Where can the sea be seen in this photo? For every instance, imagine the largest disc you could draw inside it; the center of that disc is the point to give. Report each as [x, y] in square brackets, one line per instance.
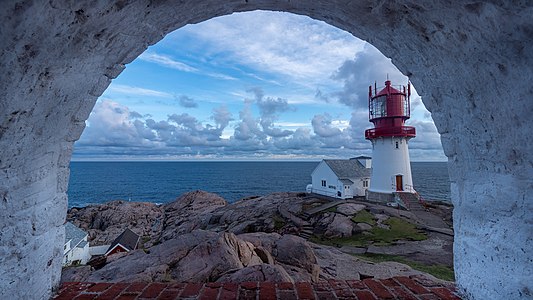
[161, 182]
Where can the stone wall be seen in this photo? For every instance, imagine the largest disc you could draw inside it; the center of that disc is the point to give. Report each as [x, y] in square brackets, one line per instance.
[471, 62]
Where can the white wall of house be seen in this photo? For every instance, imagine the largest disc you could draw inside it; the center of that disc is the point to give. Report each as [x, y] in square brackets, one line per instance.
[366, 162]
[359, 186]
[323, 172]
[347, 190]
[74, 253]
[81, 253]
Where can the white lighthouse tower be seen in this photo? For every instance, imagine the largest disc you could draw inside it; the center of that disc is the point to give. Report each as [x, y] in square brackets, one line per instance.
[391, 168]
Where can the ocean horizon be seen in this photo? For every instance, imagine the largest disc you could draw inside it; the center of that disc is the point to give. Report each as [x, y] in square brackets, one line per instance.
[95, 182]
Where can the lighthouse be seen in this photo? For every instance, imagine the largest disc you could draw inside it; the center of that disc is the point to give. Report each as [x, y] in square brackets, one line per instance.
[388, 110]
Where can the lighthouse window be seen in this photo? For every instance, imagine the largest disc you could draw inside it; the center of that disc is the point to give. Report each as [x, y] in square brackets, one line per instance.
[396, 145]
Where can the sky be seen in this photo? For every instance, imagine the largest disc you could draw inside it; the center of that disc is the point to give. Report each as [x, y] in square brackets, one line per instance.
[248, 86]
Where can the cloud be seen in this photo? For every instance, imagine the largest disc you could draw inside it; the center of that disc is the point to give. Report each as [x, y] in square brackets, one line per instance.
[273, 42]
[169, 62]
[269, 107]
[321, 96]
[359, 73]
[322, 126]
[135, 115]
[222, 116]
[166, 61]
[114, 130]
[248, 127]
[187, 102]
[132, 90]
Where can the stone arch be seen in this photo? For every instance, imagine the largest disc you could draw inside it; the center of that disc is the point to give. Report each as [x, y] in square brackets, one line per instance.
[465, 60]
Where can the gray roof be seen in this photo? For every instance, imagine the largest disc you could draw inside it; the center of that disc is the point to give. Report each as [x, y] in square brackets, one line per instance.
[127, 239]
[74, 234]
[82, 244]
[363, 157]
[346, 181]
[347, 168]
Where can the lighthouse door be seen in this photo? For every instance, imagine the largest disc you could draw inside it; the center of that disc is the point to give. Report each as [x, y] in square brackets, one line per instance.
[399, 182]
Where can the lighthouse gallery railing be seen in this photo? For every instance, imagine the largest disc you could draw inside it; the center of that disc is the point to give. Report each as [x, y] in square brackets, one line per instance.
[409, 131]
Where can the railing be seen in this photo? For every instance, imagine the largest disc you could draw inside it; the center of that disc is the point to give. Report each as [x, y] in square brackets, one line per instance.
[407, 131]
[402, 201]
[409, 188]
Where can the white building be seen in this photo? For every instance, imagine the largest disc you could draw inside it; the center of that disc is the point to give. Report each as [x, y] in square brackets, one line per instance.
[76, 248]
[341, 178]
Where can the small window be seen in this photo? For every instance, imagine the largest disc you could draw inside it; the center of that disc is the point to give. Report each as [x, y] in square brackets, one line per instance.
[323, 183]
[365, 183]
[397, 145]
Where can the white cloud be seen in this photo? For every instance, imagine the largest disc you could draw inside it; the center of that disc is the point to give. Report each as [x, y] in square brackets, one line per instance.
[169, 62]
[166, 61]
[279, 43]
[137, 91]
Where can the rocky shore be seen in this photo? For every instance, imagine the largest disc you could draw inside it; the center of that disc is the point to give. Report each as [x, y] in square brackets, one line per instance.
[282, 237]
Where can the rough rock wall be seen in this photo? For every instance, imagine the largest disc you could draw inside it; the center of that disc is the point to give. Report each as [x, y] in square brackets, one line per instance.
[471, 62]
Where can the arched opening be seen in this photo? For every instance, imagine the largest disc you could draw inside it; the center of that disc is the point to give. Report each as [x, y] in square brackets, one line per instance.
[58, 65]
[117, 122]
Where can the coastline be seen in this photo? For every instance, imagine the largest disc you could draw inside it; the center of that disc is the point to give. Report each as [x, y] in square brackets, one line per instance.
[263, 225]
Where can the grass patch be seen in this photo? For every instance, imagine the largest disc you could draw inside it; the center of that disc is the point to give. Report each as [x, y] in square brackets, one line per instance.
[399, 230]
[364, 216]
[279, 222]
[439, 271]
[331, 209]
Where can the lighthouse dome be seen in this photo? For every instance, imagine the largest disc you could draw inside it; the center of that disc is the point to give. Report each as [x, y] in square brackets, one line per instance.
[388, 89]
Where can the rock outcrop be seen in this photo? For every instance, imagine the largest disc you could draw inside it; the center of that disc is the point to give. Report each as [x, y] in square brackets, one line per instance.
[104, 222]
[199, 237]
[205, 256]
[189, 212]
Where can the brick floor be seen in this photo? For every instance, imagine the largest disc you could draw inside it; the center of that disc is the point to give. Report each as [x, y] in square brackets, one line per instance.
[391, 288]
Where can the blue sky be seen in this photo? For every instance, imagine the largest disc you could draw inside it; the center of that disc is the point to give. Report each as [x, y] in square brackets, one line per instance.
[255, 85]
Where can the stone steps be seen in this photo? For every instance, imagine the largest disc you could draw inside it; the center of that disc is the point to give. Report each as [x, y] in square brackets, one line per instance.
[307, 232]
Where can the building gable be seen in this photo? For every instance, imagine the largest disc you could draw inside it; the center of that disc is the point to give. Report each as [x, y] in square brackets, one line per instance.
[128, 240]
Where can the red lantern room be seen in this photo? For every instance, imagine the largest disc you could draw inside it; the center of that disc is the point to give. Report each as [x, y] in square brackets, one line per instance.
[388, 110]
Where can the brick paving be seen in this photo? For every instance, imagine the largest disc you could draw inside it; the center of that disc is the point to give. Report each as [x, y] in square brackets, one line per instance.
[372, 289]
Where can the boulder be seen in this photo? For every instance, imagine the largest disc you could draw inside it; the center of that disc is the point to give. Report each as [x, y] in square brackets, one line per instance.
[262, 272]
[340, 226]
[295, 251]
[188, 212]
[341, 266]
[199, 256]
[75, 274]
[264, 240]
[350, 209]
[195, 202]
[257, 214]
[363, 226]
